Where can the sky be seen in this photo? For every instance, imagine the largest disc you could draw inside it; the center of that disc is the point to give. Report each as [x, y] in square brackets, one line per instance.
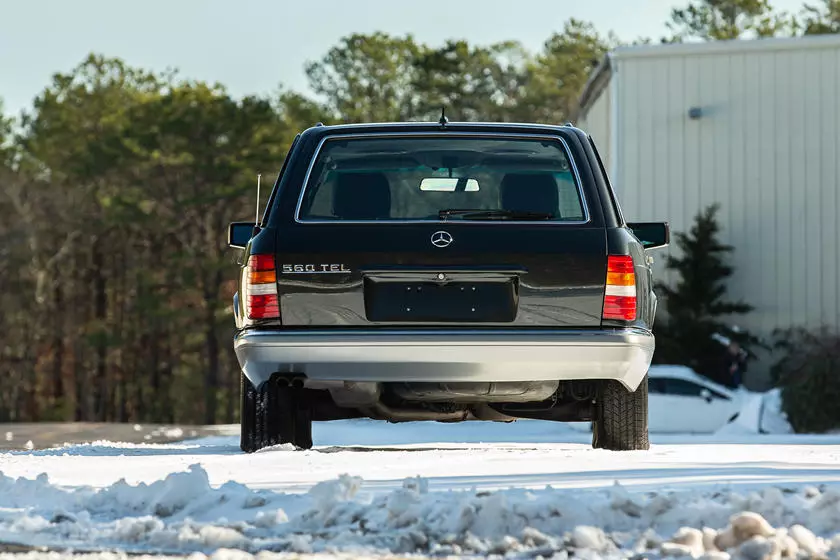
[254, 46]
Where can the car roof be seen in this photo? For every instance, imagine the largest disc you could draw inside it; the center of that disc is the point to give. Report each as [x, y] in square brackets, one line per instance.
[501, 127]
[686, 374]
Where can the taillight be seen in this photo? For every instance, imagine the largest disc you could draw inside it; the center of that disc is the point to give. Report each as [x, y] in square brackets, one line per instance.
[620, 294]
[261, 288]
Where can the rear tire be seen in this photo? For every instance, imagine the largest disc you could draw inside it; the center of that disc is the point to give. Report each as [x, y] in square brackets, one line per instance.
[273, 415]
[621, 418]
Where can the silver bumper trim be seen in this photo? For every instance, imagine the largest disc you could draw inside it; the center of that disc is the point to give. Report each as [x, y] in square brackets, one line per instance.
[447, 355]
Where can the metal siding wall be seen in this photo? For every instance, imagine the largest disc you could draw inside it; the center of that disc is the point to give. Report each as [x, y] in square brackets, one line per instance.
[675, 88]
[754, 124]
[766, 148]
[827, 136]
[627, 185]
[766, 218]
[596, 122]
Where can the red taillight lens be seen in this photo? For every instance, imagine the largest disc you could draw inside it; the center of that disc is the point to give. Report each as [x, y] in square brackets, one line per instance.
[263, 307]
[620, 293]
[620, 263]
[620, 307]
[261, 299]
[261, 262]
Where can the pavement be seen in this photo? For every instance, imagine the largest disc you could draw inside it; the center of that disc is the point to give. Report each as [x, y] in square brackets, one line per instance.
[43, 435]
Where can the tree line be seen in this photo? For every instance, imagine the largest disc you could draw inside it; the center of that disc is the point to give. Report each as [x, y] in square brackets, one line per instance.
[117, 185]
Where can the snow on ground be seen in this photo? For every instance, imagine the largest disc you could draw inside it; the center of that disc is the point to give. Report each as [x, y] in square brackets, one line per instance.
[523, 489]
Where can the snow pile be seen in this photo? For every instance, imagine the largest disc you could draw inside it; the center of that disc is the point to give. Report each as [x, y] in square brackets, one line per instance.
[221, 554]
[773, 418]
[760, 413]
[184, 513]
[749, 417]
[100, 448]
[168, 433]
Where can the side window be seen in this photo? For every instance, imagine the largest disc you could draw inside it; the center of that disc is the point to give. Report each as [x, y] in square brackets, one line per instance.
[277, 182]
[613, 198]
[683, 388]
[717, 395]
[656, 385]
[570, 205]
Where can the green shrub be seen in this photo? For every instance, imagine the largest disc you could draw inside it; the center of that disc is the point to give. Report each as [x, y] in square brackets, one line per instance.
[809, 375]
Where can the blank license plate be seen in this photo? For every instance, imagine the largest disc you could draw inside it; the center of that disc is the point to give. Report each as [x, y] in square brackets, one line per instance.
[391, 301]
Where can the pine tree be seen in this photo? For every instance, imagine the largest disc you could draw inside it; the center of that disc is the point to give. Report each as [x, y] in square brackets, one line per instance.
[697, 305]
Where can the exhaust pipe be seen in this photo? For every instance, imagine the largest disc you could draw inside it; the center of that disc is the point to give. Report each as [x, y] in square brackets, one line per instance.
[287, 381]
[384, 412]
[484, 412]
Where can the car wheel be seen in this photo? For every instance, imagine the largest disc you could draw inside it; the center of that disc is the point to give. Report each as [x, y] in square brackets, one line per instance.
[272, 415]
[621, 418]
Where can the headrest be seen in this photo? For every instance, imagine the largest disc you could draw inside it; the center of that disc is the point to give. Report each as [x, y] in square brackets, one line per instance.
[362, 196]
[530, 192]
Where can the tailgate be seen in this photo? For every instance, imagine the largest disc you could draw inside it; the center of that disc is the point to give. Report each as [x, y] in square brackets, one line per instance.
[489, 275]
[442, 228]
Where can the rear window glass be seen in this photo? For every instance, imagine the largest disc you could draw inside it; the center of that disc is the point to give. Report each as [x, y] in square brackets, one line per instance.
[432, 177]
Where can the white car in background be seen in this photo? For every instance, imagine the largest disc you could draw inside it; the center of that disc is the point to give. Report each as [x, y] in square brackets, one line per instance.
[682, 401]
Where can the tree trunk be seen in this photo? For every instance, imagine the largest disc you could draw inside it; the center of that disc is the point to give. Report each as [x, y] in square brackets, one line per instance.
[164, 397]
[233, 383]
[157, 383]
[211, 344]
[139, 405]
[100, 303]
[58, 345]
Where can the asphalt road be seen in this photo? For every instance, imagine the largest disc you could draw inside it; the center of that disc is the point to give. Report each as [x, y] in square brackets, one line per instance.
[50, 434]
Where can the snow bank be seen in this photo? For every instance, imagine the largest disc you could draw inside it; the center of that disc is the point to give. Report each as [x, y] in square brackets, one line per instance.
[749, 416]
[183, 513]
[99, 448]
[760, 413]
[773, 419]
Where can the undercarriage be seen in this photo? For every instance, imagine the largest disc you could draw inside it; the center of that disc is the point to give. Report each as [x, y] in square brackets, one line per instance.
[564, 401]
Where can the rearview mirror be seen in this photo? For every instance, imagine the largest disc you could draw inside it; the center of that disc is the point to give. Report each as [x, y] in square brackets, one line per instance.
[448, 184]
[651, 234]
[240, 233]
[707, 395]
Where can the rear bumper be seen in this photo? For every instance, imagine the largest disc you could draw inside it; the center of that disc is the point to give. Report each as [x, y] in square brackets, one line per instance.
[447, 355]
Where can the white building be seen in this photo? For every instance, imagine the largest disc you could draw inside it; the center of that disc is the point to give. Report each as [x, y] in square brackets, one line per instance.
[753, 125]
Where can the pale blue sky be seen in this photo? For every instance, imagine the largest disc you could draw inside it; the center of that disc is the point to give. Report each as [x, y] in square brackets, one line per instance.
[253, 45]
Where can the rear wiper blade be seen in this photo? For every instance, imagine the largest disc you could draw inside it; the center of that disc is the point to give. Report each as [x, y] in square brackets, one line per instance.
[476, 214]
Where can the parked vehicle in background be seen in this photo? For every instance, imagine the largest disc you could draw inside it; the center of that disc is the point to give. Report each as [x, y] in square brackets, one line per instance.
[682, 401]
[449, 272]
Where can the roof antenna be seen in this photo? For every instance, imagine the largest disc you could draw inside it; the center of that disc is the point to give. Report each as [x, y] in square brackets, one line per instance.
[257, 214]
[443, 120]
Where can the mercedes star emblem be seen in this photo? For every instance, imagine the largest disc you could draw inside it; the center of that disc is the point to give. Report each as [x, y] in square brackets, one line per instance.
[441, 239]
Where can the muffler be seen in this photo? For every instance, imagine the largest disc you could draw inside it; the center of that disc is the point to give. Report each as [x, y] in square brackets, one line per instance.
[472, 392]
[382, 411]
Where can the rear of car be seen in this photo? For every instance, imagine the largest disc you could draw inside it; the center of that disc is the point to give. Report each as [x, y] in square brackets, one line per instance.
[443, 272]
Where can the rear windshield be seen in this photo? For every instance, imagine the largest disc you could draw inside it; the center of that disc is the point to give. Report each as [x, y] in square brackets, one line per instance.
[433, 177]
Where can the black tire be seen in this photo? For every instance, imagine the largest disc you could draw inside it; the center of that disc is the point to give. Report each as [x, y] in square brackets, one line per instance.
[273, 415]
[621, 418]
[248, 440]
